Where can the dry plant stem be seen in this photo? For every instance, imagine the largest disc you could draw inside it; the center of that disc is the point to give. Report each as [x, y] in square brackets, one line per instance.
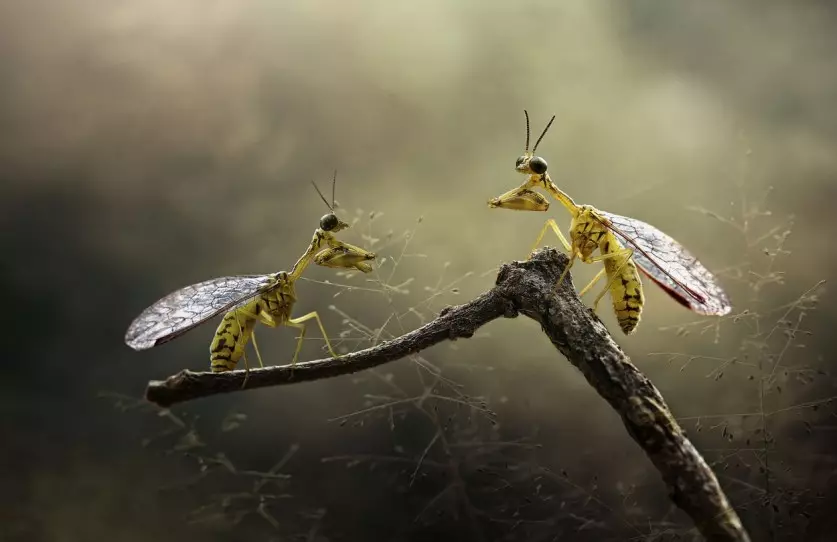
[526, 288]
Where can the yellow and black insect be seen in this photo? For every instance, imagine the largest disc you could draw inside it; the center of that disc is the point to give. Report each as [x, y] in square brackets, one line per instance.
[247, 299]
[626, 245]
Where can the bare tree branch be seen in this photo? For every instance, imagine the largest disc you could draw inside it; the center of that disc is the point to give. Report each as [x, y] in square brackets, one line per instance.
[526, 288]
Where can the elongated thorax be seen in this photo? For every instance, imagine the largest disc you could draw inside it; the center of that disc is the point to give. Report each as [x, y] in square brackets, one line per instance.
[587, 233]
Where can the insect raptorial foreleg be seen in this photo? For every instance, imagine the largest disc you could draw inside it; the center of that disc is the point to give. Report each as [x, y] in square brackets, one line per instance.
[552, 224]
[299, 324]
[342, 255]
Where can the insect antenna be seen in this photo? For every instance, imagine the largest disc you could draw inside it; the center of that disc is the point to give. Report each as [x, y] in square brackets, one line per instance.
[527, 129]
[330, 207]
[333, 188]
[538, 142]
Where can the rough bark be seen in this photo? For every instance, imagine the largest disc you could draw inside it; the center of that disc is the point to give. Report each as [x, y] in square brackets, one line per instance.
[525, 288]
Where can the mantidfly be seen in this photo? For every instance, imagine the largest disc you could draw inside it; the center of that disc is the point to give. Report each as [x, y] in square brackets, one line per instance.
[247, 299]
[625, 245]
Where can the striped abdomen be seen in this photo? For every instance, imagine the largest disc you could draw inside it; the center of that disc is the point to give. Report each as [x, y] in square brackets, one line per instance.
[232, 336]
[236, 327]
[625, 285]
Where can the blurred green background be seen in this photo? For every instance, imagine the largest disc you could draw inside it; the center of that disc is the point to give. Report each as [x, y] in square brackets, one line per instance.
[149, 145]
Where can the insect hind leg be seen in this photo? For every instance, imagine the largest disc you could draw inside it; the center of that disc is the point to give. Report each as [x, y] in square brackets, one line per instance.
[233, 333]
[258, 356]
[256, 348]
[590, 284]
[267, 319]
[230, 340]
[625, 256]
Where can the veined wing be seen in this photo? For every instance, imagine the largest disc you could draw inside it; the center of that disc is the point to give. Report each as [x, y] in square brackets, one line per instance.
[670, 265]
[189, 307]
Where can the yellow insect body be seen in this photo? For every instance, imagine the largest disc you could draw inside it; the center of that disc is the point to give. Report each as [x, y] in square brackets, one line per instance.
[246, 300]
[664, 260]
[588, 234]
[231, 338]
[272, 309]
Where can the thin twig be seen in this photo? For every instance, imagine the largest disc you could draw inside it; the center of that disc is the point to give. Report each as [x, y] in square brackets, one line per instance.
[525, 288]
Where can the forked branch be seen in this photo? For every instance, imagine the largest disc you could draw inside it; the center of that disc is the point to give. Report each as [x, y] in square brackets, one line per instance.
[526, 288]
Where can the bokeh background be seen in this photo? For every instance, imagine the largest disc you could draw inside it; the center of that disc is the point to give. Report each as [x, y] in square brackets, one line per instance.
[149, 145]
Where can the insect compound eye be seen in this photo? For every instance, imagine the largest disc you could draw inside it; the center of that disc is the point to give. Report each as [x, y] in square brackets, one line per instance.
[520, 160]
[329, 222]
[537, 165]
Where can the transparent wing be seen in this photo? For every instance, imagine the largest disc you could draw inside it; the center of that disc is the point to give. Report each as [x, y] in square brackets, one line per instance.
[189, 307]
[671, 266]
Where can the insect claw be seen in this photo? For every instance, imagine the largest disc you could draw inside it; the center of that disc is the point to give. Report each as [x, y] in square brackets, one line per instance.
[345, 256]
[520, 200]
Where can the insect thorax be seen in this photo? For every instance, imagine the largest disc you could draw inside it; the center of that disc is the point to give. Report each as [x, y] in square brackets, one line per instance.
[588, 233]
[279, 301]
